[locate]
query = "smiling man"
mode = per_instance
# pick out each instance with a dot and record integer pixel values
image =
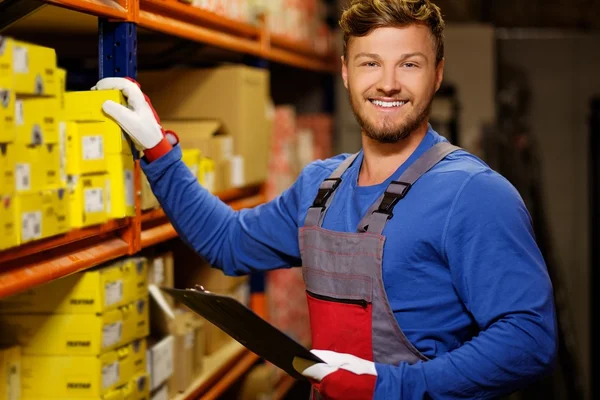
(422, 273)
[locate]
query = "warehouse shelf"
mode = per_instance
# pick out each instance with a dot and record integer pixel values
(100, 8)
(57, 263)
(221, 369)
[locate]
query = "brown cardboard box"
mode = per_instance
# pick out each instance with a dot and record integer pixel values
(166, 321)
(236, 95)
(207, 135)
(199, 326)
(161, 270)
(149, 201)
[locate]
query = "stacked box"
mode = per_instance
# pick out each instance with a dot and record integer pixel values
(33, 205)
(99, 162)
(83, 336)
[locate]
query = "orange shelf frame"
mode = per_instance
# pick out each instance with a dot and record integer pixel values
(24, 274)
(102, 8)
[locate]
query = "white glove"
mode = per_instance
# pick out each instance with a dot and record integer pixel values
(335, 361)
(139, 121)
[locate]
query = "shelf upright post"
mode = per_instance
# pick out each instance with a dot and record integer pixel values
(117, 52)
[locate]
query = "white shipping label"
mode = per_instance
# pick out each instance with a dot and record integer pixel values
(110, 375)
(92, 148)
(19, 113)
(159, 271)
(237, 171)
(20, 60)
(31, 225)
(209, 181)
(111, 334)
(23, 176)
(94, 200)
(113, 292)
(188, 341)
(129, 188)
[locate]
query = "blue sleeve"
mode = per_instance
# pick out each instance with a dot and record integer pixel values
(238, 242)
(501, 277)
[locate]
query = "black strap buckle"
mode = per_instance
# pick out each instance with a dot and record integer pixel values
(390, 199)
(325, 191)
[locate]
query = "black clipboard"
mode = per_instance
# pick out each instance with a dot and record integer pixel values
(245, 326)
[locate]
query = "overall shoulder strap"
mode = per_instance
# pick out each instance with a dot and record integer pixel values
(381, 211)
(326, 192)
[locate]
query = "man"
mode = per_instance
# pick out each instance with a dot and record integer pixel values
(422, 272)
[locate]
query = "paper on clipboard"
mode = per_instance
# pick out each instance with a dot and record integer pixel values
(242, 324)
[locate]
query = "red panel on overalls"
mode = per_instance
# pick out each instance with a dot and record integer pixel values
(349, 310)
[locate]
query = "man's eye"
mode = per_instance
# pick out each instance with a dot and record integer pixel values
(409, 65)
(370, 64)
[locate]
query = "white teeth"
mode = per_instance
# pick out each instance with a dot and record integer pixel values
(388, 104)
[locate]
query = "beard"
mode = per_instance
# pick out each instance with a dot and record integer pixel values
(390, 131)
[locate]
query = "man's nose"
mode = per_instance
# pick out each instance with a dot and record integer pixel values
(389, 82)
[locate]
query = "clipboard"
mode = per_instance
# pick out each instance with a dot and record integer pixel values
(245, 326)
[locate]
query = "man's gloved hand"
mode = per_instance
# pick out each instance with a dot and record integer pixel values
(342, 376)
(140, 121)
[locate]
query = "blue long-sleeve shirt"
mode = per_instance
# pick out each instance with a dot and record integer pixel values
(461, 268)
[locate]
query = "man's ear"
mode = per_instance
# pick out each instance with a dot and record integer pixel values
(344, 72)
(439, 74)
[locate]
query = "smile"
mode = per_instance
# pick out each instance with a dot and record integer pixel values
(388, 104)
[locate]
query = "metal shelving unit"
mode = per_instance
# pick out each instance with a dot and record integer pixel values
(41, 262)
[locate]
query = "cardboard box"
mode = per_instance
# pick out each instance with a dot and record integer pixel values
(56, 218)
(114, 141)
(85, 153)
(64, 377)
(89, 292)
(30, 211)
(9, 226)
(119, 189)
(149, 200)
(138, 388)
(32, 67)
(29, 173)
(161, 270)
(76, 334)
(61, 76)
(49, 164)
(162, 393)
(88, 199)
(10, 372)
(7, 168)
(36, 120)
(191, 158)
(230, 173)
(206, 174)
(235, 95)
(198, 325)
(207, 135)
(8, 130)
(161, 361)
(166, 321)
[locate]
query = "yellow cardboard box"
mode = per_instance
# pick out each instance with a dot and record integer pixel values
(55, 220)
(10, 372)
(138, 388)
(32, 67)
(206, 174)
(83, 376)
(90, 292)
(36, 120)
(85, 153)
(76, 334)
(30, 212)
(86, 106)
(88, 199)
(7, 112)
(61, 75)
(191, 158)
(7, 168)
(29, 174)
(9, 226)
(120, 190)
(114, 141)
(49, 164)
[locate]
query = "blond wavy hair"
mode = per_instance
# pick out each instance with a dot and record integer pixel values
(363, 16)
